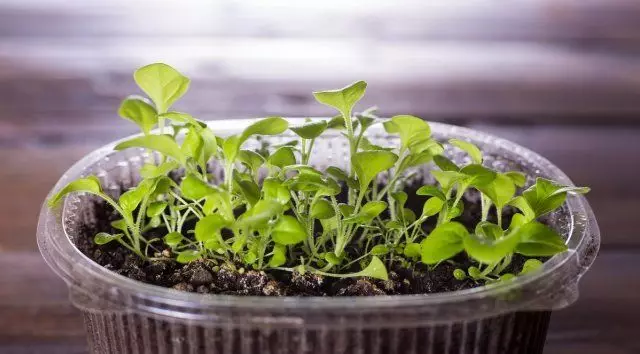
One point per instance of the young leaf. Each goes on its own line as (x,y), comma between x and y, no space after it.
(367,165)
(538,240)
(89,184)
(139,111)
(447,179)
(488,231)
(310,130)
(161,143)
(188,256)
(282,157)
(288,231)
(102,238)
(531,265)
(431,191)
(248,188)
(400,199)
(152,171)
(342,176)
(155,209)
(251,159)
(208,228)
(485,249)
(521,204)
(279,256)
(501,190)
(411,129)
(342,99)
(444,242)
(469,148)
(432,207)
(162,83)
(259,214)
(375,269)
(413,250)
(193,144)
(546,196)
(518,178)
(379,250)
(322,209)
(130,199)
(173,239)
(183,118)
(445,164)
(273,189)
(478,175)
(366,145)
(265,126)
(194,188)
(368,212)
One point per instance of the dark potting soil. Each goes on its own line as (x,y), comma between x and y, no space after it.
(207,277)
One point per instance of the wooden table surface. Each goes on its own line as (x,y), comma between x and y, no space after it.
(557,76)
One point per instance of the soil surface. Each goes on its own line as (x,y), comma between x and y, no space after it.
(207,277)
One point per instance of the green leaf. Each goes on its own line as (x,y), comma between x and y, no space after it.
(138,110)
(483,248)
(345,209)
(152,171)
(89,184)
(518,178)
(379,250)
(531,265)
(173,239)
(310,130)
(251,159)
(279,256)
(188,256)
(155,209)
(208,228)
(546,196)
(416,159)
(367,165)
(375,269)
(538,240)
(273,189)
(119,224)
(501,190)
(192,144)
(162,83)
(469,148)
(343,99)
(447,179)
(288,231)
(265,126)
(161,143)
(521,204)
(248,188)
(102,238)
(431,191)
(367,213)
(282,157)
(445,163)
(322,209)
(432,207)
(342,176)
(411,129)
(259,214)
(366,145)
(181,117)
(130,199)
(413,250)
(478,175)
(194,188)
(488,231)
(444,242)
(400,198)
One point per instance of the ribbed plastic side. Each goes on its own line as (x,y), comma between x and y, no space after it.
(515,333)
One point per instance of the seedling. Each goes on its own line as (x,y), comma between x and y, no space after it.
(274,210)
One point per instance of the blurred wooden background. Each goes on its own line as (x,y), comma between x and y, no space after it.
(561,77)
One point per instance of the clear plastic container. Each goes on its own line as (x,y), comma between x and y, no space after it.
(127,316)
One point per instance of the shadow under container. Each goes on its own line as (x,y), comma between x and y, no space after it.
(127,316)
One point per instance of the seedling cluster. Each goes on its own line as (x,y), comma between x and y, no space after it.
(274,210)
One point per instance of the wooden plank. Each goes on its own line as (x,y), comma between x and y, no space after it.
(591,22)
(77,81)
(34,309)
